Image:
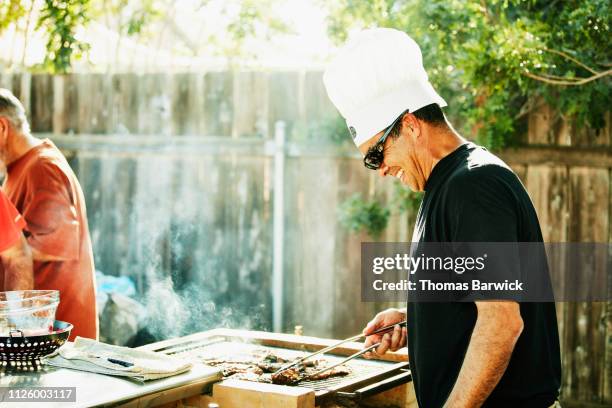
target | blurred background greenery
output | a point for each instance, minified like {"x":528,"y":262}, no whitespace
{"x":494,"y":61}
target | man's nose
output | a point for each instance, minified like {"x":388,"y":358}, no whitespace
{"x":383,"y":170}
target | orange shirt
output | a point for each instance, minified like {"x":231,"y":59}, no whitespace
{"x":45,"y":190}
{"x":11,"y":223}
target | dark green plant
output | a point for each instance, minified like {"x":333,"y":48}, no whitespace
{"x":406,"y":200}
{"x":61,"y":18}
{"x":495,"y":61}
{"x":358,"y":215}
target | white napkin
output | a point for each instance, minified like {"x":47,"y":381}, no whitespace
{"x":90,"y":355}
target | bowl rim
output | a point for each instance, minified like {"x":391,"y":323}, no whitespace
{"x":38,"y":294}
{"x":62,"y":327}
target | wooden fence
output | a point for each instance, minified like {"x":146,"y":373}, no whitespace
{"x":178,"y":175}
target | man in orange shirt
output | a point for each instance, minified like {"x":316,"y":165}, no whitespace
{"x":43,"y":187}
{"x":15,"y":255}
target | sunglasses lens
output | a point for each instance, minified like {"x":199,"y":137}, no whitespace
{"x":373,"y":159}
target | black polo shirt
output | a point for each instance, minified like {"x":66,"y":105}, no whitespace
{"x":472,"y":196}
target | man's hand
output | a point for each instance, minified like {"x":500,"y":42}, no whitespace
{"x":392,"y":340}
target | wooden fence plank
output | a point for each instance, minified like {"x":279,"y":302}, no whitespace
{"x":317,"y":104}
{"x":112,"y":197}
{"x":350,"y":314}
{"x":218,"y":103}
{"x":312,"y":251}
{"x":539,"y":125}
{"x":250,"y":100}
{"x":65,"y":104}
{"x":188,"y":104}
{"x":125,"y":103}
{"x":19,"y":84}
{"x":607,"y":387}
{"x":154,"y":110}
{"x":94,"y":96}
{"x":41,"y":116}
{"x":222,"y":253}
{"x":548,"y":187}
{"x":284,"y":103}
{"x":568,"y":156}
{"x":585,"y":333}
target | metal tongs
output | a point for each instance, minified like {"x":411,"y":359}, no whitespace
{"x":333,"y":346}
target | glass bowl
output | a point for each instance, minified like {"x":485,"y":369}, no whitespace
{"x":31,"y":312}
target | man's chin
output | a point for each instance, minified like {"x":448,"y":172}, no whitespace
{"x":404,"y":180}
{"x":411,"y":185}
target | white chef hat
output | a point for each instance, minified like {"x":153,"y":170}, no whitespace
{"x":376,"y":76}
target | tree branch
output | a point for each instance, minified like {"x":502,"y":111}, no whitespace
{"x":581,"y":81}
{"x":574,"y":60}
{"x":550,"y":76}
{"x":528,"y":107}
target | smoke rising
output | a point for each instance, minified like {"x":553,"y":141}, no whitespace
{"x":190,"y":234}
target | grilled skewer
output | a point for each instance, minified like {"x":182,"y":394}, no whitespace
{"x":333,"y":346}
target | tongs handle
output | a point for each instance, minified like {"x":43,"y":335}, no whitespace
{"x":386,"y":328}
{"x":333,"y":346}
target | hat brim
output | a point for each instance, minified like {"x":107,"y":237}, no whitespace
{"x":382,"y":111}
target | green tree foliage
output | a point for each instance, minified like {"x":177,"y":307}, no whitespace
{"x":61,"y":19}
{"x":153,"y":23}
{"x":10,"y":12}
{"x":253,"y":19}
{"x":496,"y":61}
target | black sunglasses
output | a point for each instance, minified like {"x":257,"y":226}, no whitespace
{"x":374,"y":157}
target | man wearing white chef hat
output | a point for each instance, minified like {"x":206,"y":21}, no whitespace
{"x":497,"y":353}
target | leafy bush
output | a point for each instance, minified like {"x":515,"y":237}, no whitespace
{"x":357,"y":215}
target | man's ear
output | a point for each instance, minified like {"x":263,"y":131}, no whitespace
{"x":411,"y":123}
{"x":4,"y":129}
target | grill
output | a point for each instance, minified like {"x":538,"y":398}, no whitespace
{"x":367,"y":378}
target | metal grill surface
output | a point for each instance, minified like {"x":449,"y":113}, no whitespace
{"x":234,"y":351}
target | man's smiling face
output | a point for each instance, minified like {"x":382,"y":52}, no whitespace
{"x":399,"y":160}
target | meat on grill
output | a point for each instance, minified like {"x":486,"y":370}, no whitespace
{"x":262,"y":369}
{"x":334,"y":372}
{"x":287,"y":377}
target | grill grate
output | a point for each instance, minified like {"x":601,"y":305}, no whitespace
{"x":220,"y":348}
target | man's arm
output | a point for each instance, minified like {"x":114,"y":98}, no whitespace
{"x":42,"y":257}
{"x":17,"y":263}
{"x":51,"y":213}
{"x":498,"y":327}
